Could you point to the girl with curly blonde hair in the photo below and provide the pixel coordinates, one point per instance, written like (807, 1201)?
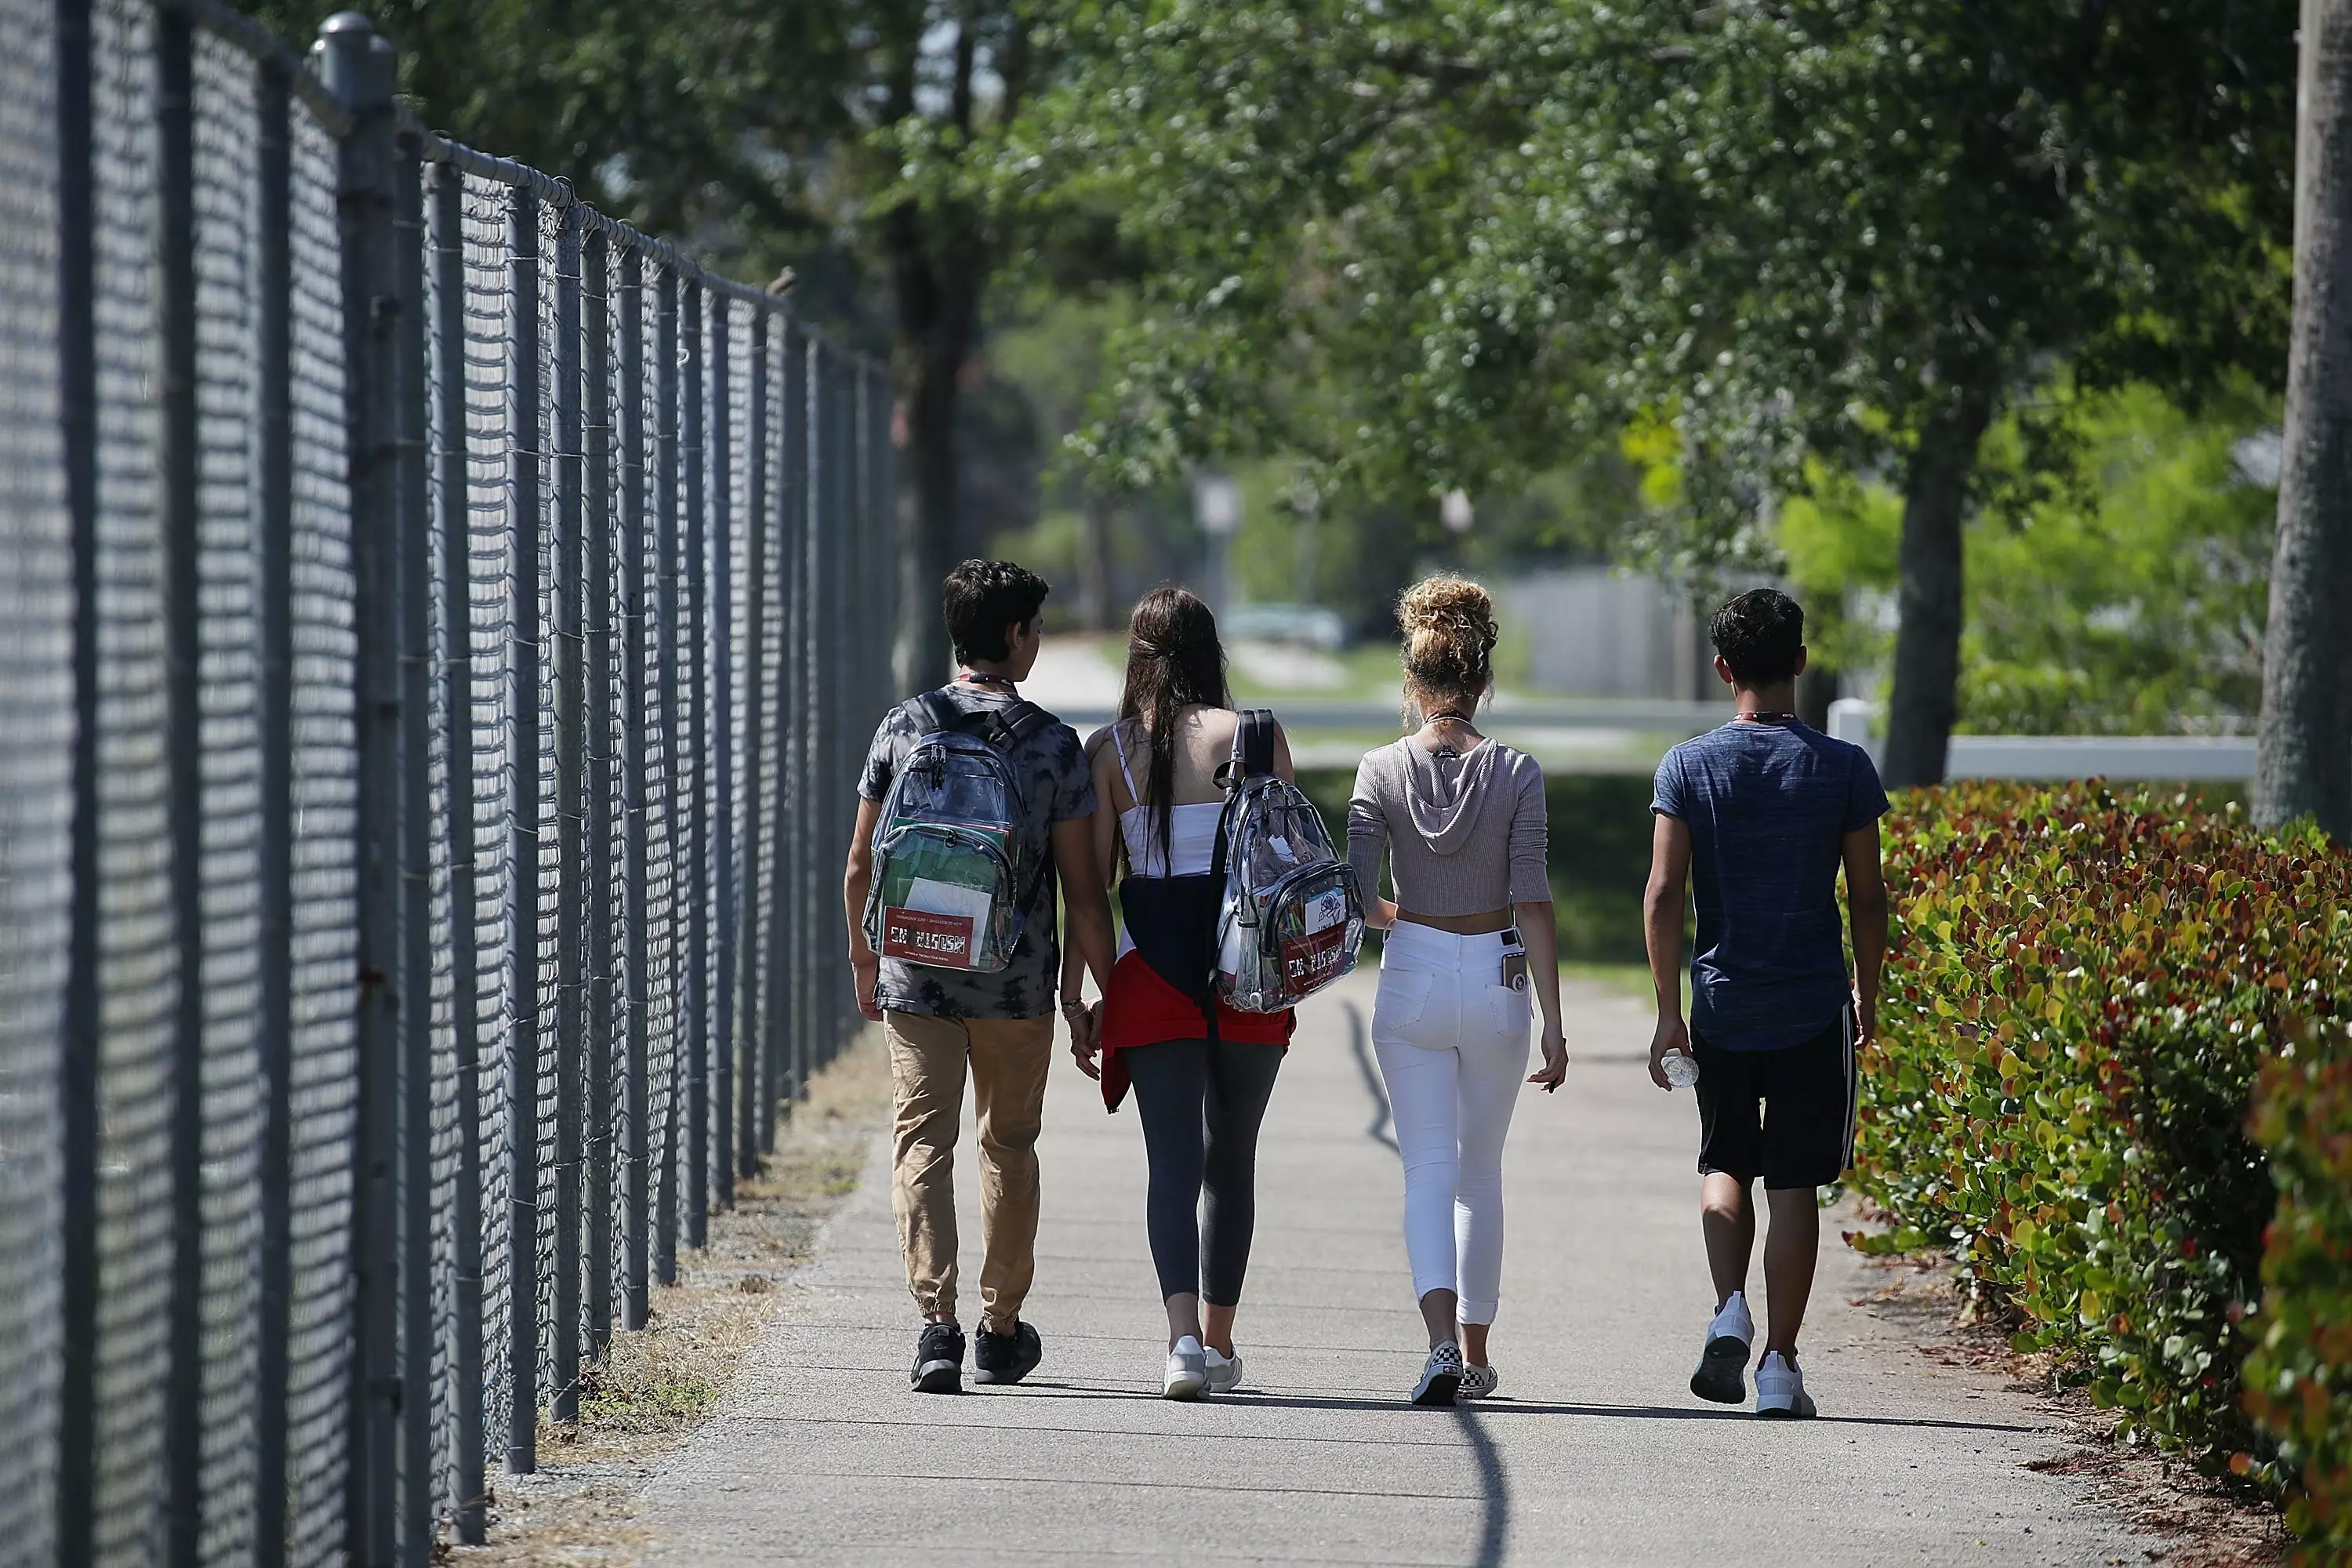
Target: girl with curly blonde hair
(1473, 950)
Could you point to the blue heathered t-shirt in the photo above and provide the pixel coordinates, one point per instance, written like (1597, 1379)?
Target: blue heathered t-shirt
(1767, 806)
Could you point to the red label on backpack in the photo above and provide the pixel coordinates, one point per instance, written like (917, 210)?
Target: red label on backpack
(1308, 961)
(919, 936)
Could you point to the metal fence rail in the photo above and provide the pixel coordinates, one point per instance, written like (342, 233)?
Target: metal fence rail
(441, 623)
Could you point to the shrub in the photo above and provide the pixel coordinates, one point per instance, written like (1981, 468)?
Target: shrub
(2299, 1378)
(2082, 991)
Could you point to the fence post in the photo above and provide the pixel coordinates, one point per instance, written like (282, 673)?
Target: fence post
(792, 678)
(635, 1296)
(691, 779)
(718, 565)
(273, 686)
(817, 720)
(418, 1342)
(571, 938)
(182, 629)
(666, 671)
(596, 327)
(357, 66)
(78, 1088)
(523, 835)
(468, 1480)
(751, 1085)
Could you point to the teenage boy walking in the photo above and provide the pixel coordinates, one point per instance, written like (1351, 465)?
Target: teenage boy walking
(1758, 816)
(998, 1025)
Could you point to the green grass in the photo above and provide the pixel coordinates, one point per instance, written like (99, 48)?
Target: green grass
(1625, 979)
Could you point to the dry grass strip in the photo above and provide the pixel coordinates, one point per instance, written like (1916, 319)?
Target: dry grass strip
(653, 1388)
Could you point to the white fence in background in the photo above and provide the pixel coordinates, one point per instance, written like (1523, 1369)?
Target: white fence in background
(2186, 758)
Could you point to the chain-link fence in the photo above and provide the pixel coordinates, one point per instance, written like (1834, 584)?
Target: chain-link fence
(441, 624)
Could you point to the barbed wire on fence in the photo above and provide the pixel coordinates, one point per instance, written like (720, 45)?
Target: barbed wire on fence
(443, 621)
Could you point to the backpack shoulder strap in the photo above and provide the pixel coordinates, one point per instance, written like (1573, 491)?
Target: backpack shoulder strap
(1003, 728)
(1253, 742)
(1253, 749)
(932, 710)
(1017, 722)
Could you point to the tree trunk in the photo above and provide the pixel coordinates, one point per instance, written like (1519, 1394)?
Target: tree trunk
(2305, 766)
(1926, 698)
(938, 272)
(1094, 562)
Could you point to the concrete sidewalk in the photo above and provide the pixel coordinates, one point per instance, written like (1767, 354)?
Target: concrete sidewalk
(1594, 1453)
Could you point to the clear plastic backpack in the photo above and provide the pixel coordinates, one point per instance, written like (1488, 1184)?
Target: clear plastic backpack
(1291, 917)
(951, 875)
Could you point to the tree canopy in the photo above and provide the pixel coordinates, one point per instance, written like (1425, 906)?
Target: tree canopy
(1450, 240)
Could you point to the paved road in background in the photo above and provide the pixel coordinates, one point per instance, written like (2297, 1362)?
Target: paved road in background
(1596, 1453)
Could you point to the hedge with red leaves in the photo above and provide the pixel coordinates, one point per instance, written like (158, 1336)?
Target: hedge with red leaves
(2082, 990)
(2299, 1379)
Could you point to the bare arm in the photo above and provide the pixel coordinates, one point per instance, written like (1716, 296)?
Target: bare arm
(1866, 903)
(1662, 929)
(1086, 918)
(858, 878)
(1368, 846)
(1103, 832)
(1538, 926)
(1283, 767)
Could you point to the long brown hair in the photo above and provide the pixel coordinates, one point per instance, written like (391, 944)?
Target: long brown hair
(1174, 661)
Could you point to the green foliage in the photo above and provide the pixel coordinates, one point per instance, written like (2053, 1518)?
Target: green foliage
(1599, 856)
(2298, 1381)
(2122, 591)
(2082, 991)
(1439, 243)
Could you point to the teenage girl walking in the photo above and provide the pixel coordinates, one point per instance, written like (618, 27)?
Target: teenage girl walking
(1201, 1093)
(1460, 819)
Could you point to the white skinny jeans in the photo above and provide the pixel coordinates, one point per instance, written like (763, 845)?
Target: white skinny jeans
(1452, 1040)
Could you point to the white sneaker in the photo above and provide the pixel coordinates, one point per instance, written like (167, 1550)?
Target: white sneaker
(1441, 1375)
(1477, 1382)
(1722, 1366)
(1781, 1389)
(1188, 1371)
(1224, 1371)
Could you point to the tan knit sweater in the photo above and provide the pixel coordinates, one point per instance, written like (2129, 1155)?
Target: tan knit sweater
(1462, 836)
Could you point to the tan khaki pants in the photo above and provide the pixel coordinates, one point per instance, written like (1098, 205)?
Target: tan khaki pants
(1008, 1059)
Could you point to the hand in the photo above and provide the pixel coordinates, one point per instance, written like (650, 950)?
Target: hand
(865, 968)
(1555, 1068)
(1673, 1035)
(1086, 1036)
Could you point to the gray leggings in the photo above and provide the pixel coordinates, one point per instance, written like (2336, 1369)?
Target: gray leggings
(1201, 1106)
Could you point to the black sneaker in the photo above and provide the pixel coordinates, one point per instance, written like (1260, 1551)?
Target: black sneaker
(1006, 1358)
(938, 1360)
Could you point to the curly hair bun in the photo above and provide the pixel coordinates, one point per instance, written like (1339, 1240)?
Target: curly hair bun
(1449, 636)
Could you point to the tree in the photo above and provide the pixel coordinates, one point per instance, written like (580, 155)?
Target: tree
(846, 138)
(2125, 598)
(1857, 229)
(2305, 759)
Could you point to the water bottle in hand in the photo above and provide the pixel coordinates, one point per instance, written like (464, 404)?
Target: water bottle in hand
(1681, 1068)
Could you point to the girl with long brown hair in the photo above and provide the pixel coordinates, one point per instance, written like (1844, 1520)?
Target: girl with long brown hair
(1202, 1072)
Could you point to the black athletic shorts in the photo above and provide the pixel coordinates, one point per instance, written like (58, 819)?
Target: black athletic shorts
(1785, 1115)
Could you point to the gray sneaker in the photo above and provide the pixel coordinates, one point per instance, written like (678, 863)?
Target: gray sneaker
(1721, 1373)
(1224, 1371)
(1441, 1375)
(1187, 1377)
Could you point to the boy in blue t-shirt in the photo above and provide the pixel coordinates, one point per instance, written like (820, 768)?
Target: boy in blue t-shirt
(1758, 816)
